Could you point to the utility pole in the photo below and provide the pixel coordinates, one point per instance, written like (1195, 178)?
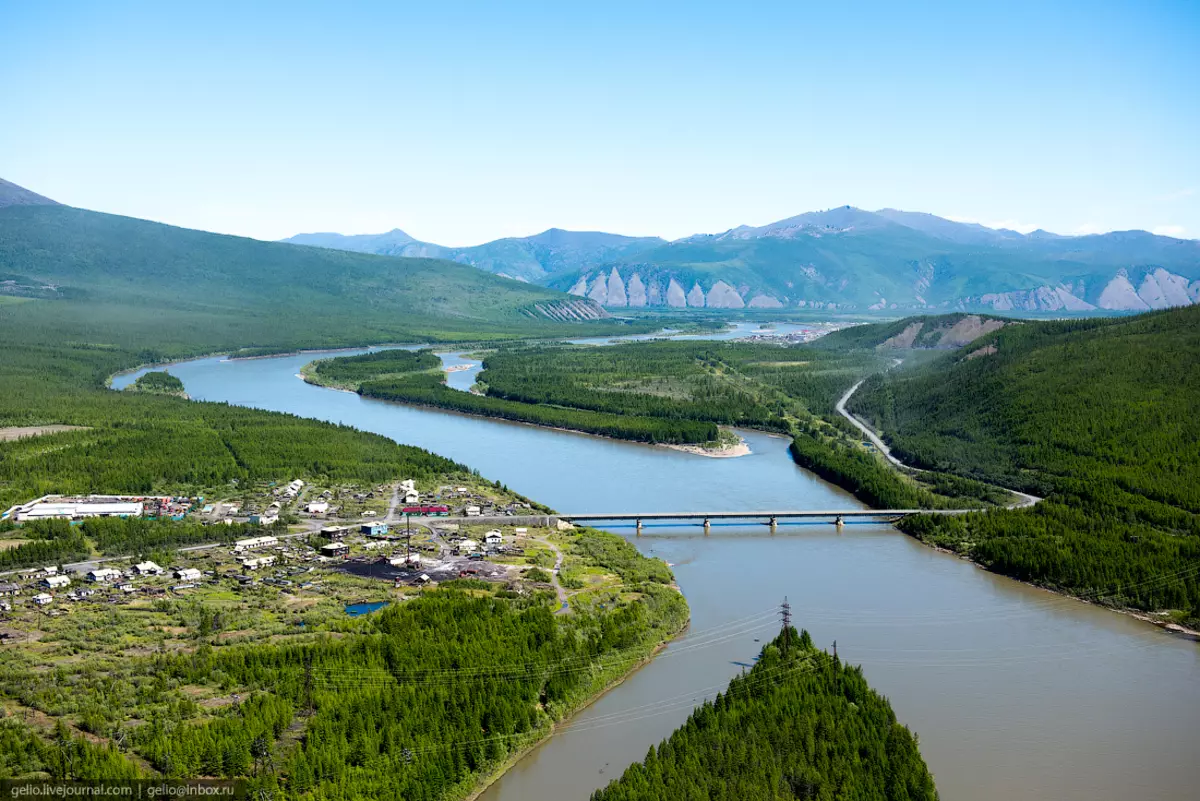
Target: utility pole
(785, 612)
(407, 541)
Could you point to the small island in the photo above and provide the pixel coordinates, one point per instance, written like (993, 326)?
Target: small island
(158, 382)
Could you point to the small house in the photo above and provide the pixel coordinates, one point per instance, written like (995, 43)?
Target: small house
(374, 529)
(317, 507)
(254, 563)
(333, 532)
(9, 590)
(254, 542)
(126, 587)
(520, 531)
(466, 546)
(188, 574)
(411, 496)
(493, 538)
(148, 569)
(335, 549)
(56, 582)
(265, 519)
(472, 511)
(42, 598)
(102, 574)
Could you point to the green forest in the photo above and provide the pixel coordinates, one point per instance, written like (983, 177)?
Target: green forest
(1097, 416)
(157, 382)
(799, 725)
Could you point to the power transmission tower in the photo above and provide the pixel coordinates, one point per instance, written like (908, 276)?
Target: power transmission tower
(785, 612)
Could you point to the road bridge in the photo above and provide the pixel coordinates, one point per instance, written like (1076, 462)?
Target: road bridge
(770, 518)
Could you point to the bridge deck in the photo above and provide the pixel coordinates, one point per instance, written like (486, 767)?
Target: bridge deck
(759, 514)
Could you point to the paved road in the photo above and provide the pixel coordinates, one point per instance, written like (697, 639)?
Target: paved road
(1023, 499)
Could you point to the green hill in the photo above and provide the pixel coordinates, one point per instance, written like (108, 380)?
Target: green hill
(57, 252)
(800, 725)
(1098, 416)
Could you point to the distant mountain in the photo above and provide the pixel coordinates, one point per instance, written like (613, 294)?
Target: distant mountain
(850, 259)
(13, 195)
(533, 258)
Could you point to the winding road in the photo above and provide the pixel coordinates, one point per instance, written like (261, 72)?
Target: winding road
(1022, 501)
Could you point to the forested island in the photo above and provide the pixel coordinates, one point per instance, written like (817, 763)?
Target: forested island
(799, 725)
(158, 382)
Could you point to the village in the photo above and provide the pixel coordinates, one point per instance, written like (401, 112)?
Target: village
(308, 564)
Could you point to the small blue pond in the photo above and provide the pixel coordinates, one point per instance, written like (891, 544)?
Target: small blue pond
(358, 610)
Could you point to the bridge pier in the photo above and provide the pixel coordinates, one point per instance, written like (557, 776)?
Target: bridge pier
(774, 523)
(639, 526)
(707, 525)
(839, 522)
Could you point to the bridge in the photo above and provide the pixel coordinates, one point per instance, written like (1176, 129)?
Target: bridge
(770, 518)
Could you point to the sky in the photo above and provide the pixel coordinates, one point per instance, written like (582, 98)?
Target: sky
(461, 123)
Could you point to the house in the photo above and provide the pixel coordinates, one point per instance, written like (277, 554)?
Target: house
(148, 569)
(126, 587)
(411, 496)
(335, 549)
(466, 546)
(472, 511)
(317, 507)
(56, 582)
(41, 599)
(408, 561)
(188, 574)
(374, 529)
(520, 531)
(493, 538)
(8, 590)
(333, 532)
(254, 542)
(423, 578)
(265, 519)
(103, 574)
(254, 563)
(5, 606)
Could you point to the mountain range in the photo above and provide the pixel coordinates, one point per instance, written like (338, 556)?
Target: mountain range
(844, 259)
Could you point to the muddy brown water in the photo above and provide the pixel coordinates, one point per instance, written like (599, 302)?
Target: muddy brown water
(1015, 693)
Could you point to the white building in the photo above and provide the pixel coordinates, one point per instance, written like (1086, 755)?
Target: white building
(56, 582)
(53, 506)
(472, 511)
(467, 546)
(188, 574)
(41, 599)
(265, 519)
(493, 537)
(148, 569)
(254, 563)
(254, 542)
(103, 574)
(409, 560)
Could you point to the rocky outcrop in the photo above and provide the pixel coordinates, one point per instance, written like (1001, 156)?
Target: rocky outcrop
(761, 301)
(1120, 294)
(1159, 289)
(904, 339)
(637, 291)
(570, 310)
(1044, 298)
(723, 296)
(695, 296)
(675, 295)
(616, 289)
(580, 287)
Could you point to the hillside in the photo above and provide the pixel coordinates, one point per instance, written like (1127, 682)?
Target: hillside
(62, 253)
(1098, 416)
(799, 725)
(13, 195)
(843, 259)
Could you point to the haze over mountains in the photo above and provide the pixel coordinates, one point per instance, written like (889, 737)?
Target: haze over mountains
(840, 259)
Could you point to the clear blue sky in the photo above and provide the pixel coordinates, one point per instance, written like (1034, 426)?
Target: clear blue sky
(466, 122)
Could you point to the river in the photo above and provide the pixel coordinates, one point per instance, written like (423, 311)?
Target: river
(1015, 693)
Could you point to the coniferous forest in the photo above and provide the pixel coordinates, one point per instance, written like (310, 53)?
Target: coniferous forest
(799, 725)
(1096, 416)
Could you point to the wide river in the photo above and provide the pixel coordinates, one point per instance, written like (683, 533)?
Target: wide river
(1015, 693)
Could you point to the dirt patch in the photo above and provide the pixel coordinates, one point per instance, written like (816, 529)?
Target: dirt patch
(967, 330)
(904, 339)
(21, 432)
(987, 350)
